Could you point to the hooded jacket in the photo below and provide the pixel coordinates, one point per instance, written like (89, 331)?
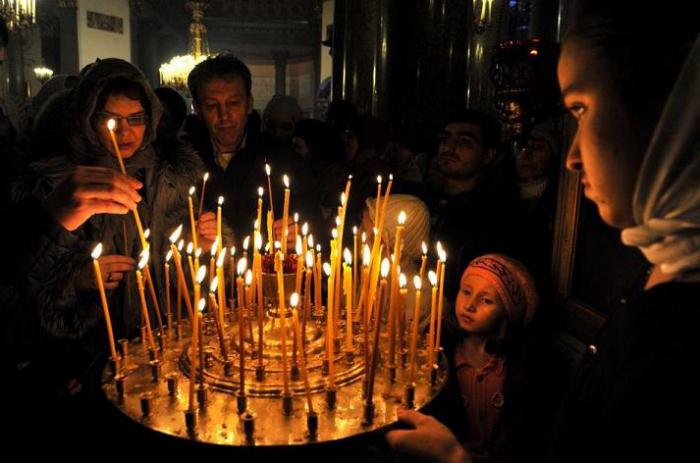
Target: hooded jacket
(166, 168)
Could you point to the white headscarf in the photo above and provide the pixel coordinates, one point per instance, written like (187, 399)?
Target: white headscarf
(667, 196)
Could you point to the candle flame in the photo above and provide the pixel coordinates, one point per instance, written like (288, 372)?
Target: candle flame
(220, 200)
(248, 277)
(169, 255)
(294, 300)
(375, 230)
(309, 259)
(220, 259)
(305, 229)
(296, 217)
(327, 269)
(318, 247)
(438, 247)
(97, 252)
(242, 265)
(260, 191)
(442, 255)
(246, 242)
(379, 179)
(180, 245)
(342, 199)
(298, 247)
(111, 124)
(402, 218)
(192, 190)
(350, 177)
(176, 234)
(424, 248)
(391, 177)
(147, 233)
(285, 180)
(417, 282)
(201, 305)
(337, 221)
(233, 251)
(366, 256)
(385, 267)
(206, 177)
(433, 278)
(214, 246)
(258, 241)
(190, 248)
(267, 169)
(201, 273)
(255, 224)
(198, 252)
(143, 258)
(311, 241)
(354, 231)
(364, 237)
(347, 255)
(214, 284)
(402, 280)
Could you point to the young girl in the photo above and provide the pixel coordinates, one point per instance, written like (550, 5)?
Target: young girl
(483, 343)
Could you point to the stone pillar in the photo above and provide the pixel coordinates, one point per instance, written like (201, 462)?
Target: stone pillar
(280, 58)
(68, 36)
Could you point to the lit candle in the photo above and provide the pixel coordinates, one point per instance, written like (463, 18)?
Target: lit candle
(142, 297)
(302, 355)
(305, 238)
(279, 262)
(317, 279)
(393, 295)
(241, 325)
(270, 236)
(103, 298)
(240, 271)
(375, 340)
(201, 198)
(295, 217)
(221, 287)
(166, 266)
(111, 125)
(193, 224)
(246, 244)
(200, 345)
(403, 293)
(443, 259)
(212, 259)
(378, 202)
(307, 289)
(300, 265)
(193, 353)
(219, 236)
(258, 214)
(181, 283)
(347, 286)
(430, 344)
(414, 332)
(213, 306)
(257, 269)
(355, 263)
(423, 259)
(330, 354)
(285, 213)
(268, 171)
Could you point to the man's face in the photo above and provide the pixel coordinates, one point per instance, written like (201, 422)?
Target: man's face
(224, 106)
(461, 153)
(280, 124)
(533, 160)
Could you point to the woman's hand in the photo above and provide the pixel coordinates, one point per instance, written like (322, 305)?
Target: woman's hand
(112, 268)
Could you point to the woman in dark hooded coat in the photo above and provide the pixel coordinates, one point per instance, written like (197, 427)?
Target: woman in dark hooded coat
(60, 284)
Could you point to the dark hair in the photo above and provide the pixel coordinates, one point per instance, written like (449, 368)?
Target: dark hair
(222, 66)
(324, 141)
(125, 87)
(4, 33)
(644, 48)
(490, 128)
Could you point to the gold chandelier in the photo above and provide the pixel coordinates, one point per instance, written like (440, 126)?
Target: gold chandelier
(18, 14)
(174, 73)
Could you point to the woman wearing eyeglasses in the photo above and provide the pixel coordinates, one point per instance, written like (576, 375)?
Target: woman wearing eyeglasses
(88, 201)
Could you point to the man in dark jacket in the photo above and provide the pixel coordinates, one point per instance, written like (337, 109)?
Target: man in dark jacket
(235, 157)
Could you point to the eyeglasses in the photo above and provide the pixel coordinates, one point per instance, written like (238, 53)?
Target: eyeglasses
(133, 120)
